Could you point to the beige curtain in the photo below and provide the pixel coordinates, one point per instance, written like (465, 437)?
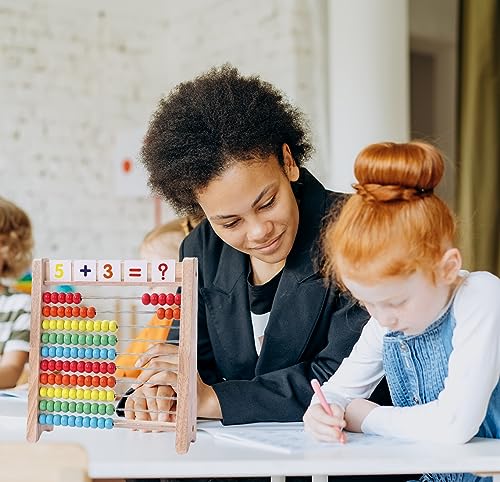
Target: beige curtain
(478, 184)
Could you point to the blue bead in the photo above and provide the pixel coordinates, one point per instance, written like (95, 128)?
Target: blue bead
(71, 421)
(79, 421)
(88, 352)
(64, 420)
(101, 423)
(41, 419)
(86, 422)
(49, 418)
(74, 352)
(93, 422)
(59, 351)
(57, 420)
(104, 353)
(109, 423)
(52, 351)
(111, 353)
(81, 352)
(96, 353)
(44, 351)
(66, 352)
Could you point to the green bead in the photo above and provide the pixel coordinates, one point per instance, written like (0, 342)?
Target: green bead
(45, 337)
(50, 405)
(60, 338)
(110, 409)
(102, 409)
(104, 340)
(97, 340)
(64, 406)
(74, 339)
(72, 407)
(89, 339)
(43, 405)
(86, 408)
(81, 339)
(52, 338)
(112, 340)
(67, 339)
(57, 406)
(94, 408)
(79, 407)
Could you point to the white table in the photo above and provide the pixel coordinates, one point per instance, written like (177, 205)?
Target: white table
(121, 453)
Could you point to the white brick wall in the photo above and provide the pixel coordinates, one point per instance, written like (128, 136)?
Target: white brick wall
(74, 75)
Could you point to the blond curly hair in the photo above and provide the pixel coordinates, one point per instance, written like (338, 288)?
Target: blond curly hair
(16, 241)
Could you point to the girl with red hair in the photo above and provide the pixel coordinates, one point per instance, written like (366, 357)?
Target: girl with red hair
(434, 330)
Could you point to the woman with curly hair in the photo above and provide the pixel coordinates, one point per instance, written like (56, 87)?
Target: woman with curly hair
(16, 244)
(232, 148)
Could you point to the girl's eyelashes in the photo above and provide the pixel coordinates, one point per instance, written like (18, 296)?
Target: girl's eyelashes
(230, 225)
(268, 203)
(234, 223)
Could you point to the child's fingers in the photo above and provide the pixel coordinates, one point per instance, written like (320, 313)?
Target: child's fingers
(164, 403)
(151, 402)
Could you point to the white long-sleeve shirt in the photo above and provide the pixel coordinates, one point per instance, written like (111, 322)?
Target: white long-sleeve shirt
(473, 372)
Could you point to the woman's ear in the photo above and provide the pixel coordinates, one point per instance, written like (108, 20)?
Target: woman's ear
(291, 169)
(450, 265)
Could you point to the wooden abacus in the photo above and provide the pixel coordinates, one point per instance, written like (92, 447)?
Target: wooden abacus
(72, 349)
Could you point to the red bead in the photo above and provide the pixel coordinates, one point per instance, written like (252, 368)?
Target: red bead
(88, 367)
(76, 311)
(65, 380)
(52, 365)
(46, 311)
(73, 380)
(102, 381)
(160, 313)
(66, 365)
(95, 381)
(46, 297)
(69, 297)
(51, 378)
(43, 378)
(61, 297)
(60, 311)
(54, 297)
(154, 299)
(146, 299)
(53, 311)
(77, 298)
(104, 367)
(111, 382)
(83, 311)
(111, 368)
(88, 381)
(170, 299)
(96, 366)
(162, 298)
(73, 366)
(59, 365)
(68, 311)
(178, 299)
(81, 366)
(44, 364)
(58, 379)
(177, 314)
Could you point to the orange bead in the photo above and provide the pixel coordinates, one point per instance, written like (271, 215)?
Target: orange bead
(160, 313)
(51, 378)
(68, 311)
(80, 381)
(60, 311)
(65, 380)
(169, 313)
(58, 379)
(43, 378)
(46, 311)
(53, 311)
(73, 379)
(83, 311)
(76, 311)
(88, 381)
(91, 312)
(111, 382)
(95, 381)
(177, 314)
(103, 382)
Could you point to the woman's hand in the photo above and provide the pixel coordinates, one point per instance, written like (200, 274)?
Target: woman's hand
(324, 427)
(356, 412)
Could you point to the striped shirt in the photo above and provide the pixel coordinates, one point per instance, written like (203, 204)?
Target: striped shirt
(15, 315)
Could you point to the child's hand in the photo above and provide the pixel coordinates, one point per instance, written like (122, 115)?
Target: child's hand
(356, 412)
(323, 426)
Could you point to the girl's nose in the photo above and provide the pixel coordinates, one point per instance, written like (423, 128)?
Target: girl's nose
(258, 231)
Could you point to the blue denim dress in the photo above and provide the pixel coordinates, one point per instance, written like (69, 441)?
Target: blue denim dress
(416, 367)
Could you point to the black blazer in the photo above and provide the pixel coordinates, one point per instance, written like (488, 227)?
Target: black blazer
(311, 327)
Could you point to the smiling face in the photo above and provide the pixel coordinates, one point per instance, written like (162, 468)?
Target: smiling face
(251, 207)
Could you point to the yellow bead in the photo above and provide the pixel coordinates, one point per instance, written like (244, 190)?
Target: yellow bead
(45, 324)
(110, 395)
(50, 392)
(60, 324)
(57, 392)
(52, 324)
(79, 394)
(105, 325)
(43, 391)
(95, 395)
(72, 393)
(74, 324)
(89, 325)
(113, 325)
(102, 395)
(87, 394)
(65, 393)
(81, 325)
(67, 325)
(97, 325)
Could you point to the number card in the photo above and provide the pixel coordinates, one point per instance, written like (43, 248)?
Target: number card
(84, 270)
(135, 270)
(60, 270)
(163, 270)
(109, 270)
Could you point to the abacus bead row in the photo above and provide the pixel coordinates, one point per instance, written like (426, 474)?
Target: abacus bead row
(82, 311)
(54, 297)
(168, 313)
(78, 339)
(71, 380)
(75, 421)
(78, 366)
(161, 299)
(80, 325)
(73, 352)
(77, 394)
(76, 407)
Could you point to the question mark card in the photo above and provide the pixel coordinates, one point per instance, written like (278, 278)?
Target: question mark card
(163, 270)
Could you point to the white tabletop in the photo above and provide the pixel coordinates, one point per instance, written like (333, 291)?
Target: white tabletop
(122, 453)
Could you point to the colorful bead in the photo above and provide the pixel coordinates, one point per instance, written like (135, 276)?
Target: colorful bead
(110, 409)
(51, 378)
(42, 419)
(60, 311)
(96, 340)
(154, 299)
(51, 365)
(112, 340)
(146, 299)
(160, 313)
(79, 407)
(77, 298)
(44, 338)
(80, 366)
(111, 368)
(81, 352)
(91, 312)
(68, 311)
(97, 325)
(53, 297)
(49, 418)
(110, 395)
(61, 297)
(46, 323)
(177, 314)
(66, 352)
(89, 326)
(81, 325)
(162, 298)
(94, 409)
(83, 311)
(60, 324)
(42, 405)
(71, 421)
(86, 422)
(103, 353)
(74, 352)
(96, 353)
(170, 299)
(108, 423)
(104, 325)
(45, 312)
(111, 354)
(51, 351)
(73, 380)
(43, 378)
(96, 367)
(64, 405)
(46, 297)
(53, 311)
(53, 323)
(50, 405)
(44, 364)
(74, 324)
(169, 313)
(69, 298)
(101, 423)
(65, 380)
(178, 299)
(104, 339)
(103, 368)
(113, 325)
